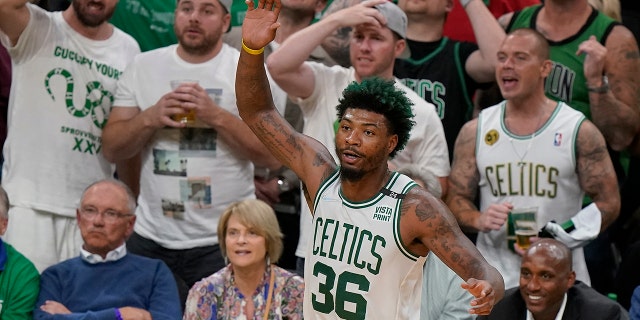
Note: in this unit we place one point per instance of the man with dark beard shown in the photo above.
(65, 67)
(214, 155)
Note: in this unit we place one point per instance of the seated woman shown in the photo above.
(250, 286)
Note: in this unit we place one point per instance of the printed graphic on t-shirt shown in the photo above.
(197, 142)
(89, 102)
(173, 209)
(196, 192)
(169, 163)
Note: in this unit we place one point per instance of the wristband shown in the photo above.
(251, 51)
(603, 88)
(464, 3)
(118, 315)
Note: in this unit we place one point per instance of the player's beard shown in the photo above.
(350, 174)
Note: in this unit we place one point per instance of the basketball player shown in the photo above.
(372, 227)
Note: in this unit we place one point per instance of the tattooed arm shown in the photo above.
(616, 113)
(337, 44)
(288, 66)
(596, 173)
(463, 184)
(308, 158)
(427, 225)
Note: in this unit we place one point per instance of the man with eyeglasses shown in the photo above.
(106, 282)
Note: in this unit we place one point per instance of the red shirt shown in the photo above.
(458, 26)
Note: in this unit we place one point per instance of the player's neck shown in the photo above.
(366, 187)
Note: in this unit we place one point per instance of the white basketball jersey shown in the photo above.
(537, 170)
(356, 265)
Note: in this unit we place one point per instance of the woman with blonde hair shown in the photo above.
(250, 286)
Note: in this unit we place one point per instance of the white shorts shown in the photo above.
(43, 237)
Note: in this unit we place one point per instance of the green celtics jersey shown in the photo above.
(356, 265)
(567, 81)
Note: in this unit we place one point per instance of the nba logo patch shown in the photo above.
(557, 139)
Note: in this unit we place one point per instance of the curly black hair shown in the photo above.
(380, 96)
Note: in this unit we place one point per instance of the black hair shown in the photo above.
(381, 96)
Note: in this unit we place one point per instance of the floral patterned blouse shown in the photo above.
(217, 297)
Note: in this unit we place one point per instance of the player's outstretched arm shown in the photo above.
(308, 158)
(428, 225)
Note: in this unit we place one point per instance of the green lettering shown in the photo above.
(325, 236)
(553, 174)
(333, 241)
(488, 172)
(540, 170)
(348, 228)
(499, 180)
(383, 243)
(316, 248)
(361, 264)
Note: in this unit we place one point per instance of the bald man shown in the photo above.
(549, 290)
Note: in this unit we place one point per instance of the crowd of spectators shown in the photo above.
(106, 176)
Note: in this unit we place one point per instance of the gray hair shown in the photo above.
(131, 198)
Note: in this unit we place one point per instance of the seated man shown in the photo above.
(549, 290)
(19, 278)
(105, 282)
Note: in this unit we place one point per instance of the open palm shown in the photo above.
(260, 23)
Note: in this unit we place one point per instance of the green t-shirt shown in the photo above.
(149, 22)
(19, 285)
(567, 82)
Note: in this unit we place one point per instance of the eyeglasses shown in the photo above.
(108, 215)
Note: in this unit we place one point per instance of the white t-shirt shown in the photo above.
(62, 88)
(189, 176)
(426, 147)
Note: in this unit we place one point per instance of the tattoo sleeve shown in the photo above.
(337, 44)
(617, 113)
(596, 174)
(464, 178)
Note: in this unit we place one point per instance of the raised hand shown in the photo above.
(595, 58)
(260, 23)
(361, 13)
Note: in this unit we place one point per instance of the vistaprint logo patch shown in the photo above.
(382, 214)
